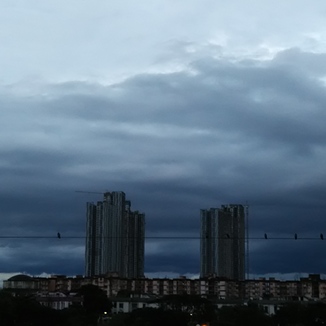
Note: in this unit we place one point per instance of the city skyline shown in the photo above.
(183, 105)
(264, 237)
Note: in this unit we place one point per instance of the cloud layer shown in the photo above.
(218, 131)
(182, 106)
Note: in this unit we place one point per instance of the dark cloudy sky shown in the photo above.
(182, 105)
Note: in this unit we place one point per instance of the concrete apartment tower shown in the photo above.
(115, 237)
(222, 244)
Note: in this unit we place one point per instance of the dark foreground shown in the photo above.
(26, 311)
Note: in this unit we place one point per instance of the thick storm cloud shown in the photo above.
(219, 132)
(178, 123)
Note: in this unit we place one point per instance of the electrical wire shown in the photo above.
(295, 237)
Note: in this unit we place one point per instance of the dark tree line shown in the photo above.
(192, 310)
(24, 310)
(291, 314)
(181, 310)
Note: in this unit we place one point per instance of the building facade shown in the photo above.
(115, 237)
(222, 244)
(311, 288)
(208, 242)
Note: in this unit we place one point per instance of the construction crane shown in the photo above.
(91, 192)
(103, 193)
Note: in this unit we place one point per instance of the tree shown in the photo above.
(25, 310)
(95, 303)
(94, 299)
(201, 309)
(301, 314)
(151, 317)
(291, 314)
(6, 308)
(250, 315)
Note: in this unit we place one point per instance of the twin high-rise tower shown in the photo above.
(114, 237)
(222, 244)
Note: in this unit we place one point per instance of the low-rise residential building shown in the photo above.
(58, 300)
(309, 288)
(129, 303)
(22, 283)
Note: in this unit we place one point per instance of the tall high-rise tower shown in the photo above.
(222, 244)
(114, 237)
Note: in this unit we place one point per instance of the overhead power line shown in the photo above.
(265, 237)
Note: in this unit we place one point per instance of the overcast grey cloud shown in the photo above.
(182, 106)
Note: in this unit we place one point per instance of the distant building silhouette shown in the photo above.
(114, 237)
(222, 244)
